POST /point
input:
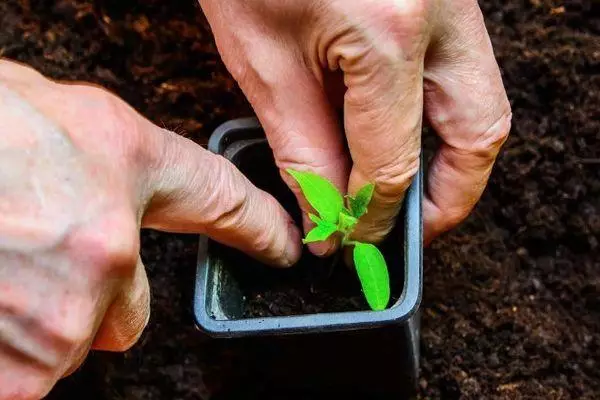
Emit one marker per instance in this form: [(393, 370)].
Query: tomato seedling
[(338, 217)]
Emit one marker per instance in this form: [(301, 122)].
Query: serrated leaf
[(320, 232), (373, 274), (321, 194), (360, 202)]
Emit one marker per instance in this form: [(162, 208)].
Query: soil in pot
[(314, 284)]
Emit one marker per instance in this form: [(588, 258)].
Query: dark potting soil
[(314, 284), (510, 308)]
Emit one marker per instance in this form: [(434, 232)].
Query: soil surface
[(511, 298)]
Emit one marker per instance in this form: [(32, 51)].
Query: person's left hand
[(80, 173)]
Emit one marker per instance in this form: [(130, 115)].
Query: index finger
[(383, 111)]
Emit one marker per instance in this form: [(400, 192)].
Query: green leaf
[(320, 232), (359, 203), (320, 194), (373, 274), (346, 223), (315, 219), (347, 212)]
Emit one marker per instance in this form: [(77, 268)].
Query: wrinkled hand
[(80, 173), (389, 63)]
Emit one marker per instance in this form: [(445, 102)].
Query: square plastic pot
[(372, 352)]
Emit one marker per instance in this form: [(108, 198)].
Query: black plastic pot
[(353, 353)]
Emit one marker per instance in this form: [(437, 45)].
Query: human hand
[(389, 63), (80, 173)]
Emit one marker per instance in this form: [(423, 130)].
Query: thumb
[(195, 191)]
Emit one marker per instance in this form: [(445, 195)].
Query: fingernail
[(293, 249), (322, 249)]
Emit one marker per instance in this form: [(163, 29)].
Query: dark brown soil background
[(512, 298)]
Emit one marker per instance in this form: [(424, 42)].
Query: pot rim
[(247, 131)]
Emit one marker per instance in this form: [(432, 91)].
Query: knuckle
[(96, 101), (403, 25), (393, 180), (265, 239), (22, 382), (111, 246), (390, 34), (375, 233), (408, 11), (492, 139), (231, 212), (40, 347), (227, 204), (71, 328), (258, 76), (113, 120)]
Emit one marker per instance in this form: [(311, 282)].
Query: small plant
[(335, 217)]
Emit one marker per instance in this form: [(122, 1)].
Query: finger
[(286, 95), (127, 316), (194, 190), (466, 104), (383, 110), (301, 126)]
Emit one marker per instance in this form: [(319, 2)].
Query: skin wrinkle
[(220, 204), (219, 214), (318, 159), (451, 120), (385, 31), (495, 135), (171, 175), (369, 116), (446, 164), (441, 94), (127, 324)]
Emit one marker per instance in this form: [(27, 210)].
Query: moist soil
[(510, 308)]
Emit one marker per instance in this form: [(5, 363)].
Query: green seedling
[(339, 217)]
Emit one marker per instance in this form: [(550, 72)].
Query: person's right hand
[(389, 64), (80, 173)]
